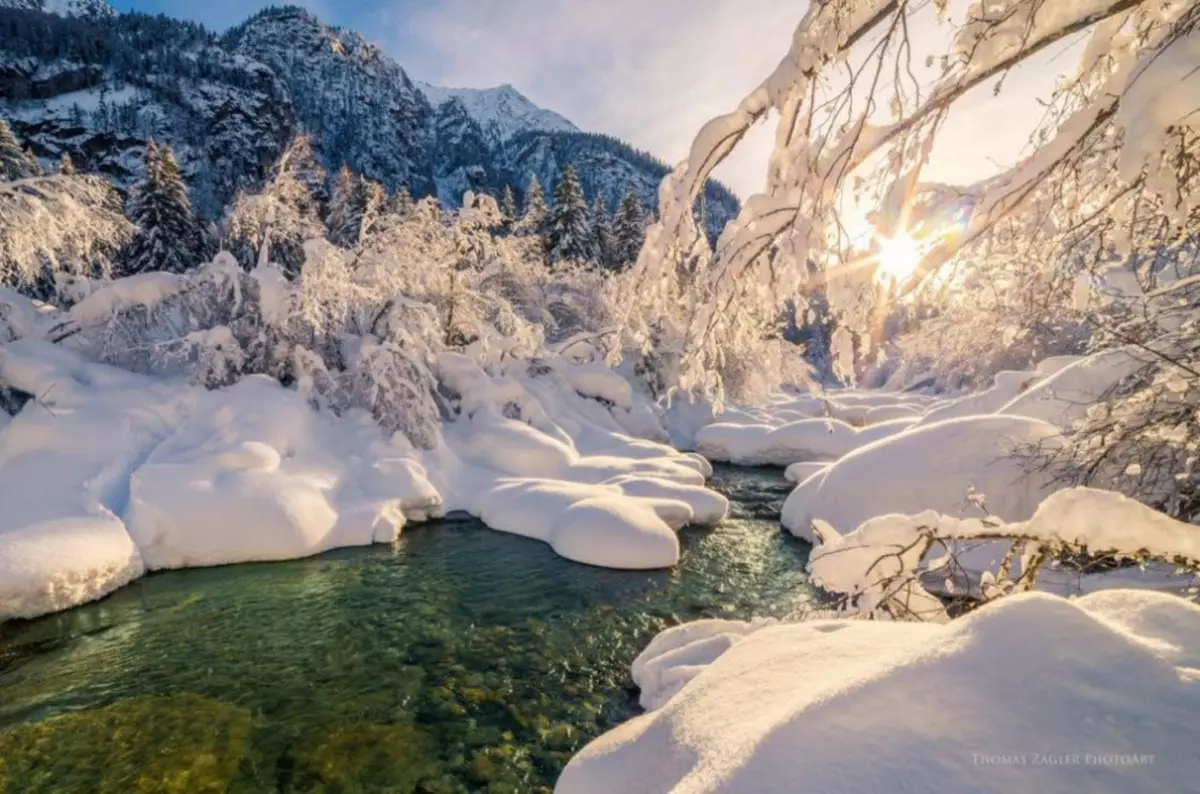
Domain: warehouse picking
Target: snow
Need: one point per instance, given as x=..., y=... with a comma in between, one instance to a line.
x=930, y=468
x=804, y=440
x=108, y=474
x=1064, y=397
x=502, y=110
x=1031, y=693
x=799, y=472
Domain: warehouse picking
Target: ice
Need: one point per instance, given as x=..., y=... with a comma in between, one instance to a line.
x=1031, y=693
x=930, y=468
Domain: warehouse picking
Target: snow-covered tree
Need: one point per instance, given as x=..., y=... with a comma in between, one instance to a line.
x=1109, y=170
x=15, y=162
x=168, y=236
x=66, y=165
x=602, y=234
x=534, y=220
x=58, y=225
x=629, y=231
x=354, y=208
x=568, y=231
x=274, y=224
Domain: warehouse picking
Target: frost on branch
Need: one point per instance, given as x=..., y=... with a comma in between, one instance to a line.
x=58, y=224
x=855, y=129
x=888, y=566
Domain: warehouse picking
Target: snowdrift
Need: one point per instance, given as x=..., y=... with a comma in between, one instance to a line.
x=1031, y=693
x=108, y=475
x=941, y=467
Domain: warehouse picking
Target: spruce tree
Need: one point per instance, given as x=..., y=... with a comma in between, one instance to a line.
x=602, y=234
x=168, y=236
x=508, y=207
x=354, y=208
x=629, y=231
x=569, y=230
x=15, y=163
x=536, y=212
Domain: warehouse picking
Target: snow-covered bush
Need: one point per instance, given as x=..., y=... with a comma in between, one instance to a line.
x=360, y=328
x=891, y=566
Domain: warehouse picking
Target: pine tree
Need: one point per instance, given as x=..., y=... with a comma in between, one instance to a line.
x=569, y=231
x=168, y=236
x=629, y=231
x=67, y=166
x=536, y=212
x=15, y=163
x=602, y=234
x=508, y=207
x=354, y=208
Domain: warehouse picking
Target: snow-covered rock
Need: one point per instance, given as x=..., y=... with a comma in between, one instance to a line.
x=1064, y=397
x=1031, y=693
x=806, y=440
x=937, y=467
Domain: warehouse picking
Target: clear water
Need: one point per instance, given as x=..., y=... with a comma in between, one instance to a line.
x=460, y=659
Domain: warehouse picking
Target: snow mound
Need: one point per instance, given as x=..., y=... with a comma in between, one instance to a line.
x=799, y=472
x=929, y=468
x=613, y=532
x=1031, y=693
x=1064, y=398
x=806, y=440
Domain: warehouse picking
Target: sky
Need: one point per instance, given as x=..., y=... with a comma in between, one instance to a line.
x=650, y=72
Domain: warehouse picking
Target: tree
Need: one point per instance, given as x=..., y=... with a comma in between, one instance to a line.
x=628, y=231
x=602, y=234
x=1114, y=164
x=568, y=231
x=354, y=208
x=15, y=163
x=508, y=207
x=536, y=212
x=66, y=165
x=168, y=236
x=274, y=225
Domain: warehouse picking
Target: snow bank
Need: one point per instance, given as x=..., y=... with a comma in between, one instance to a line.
x=799, y=472
x=1031, y=693
x=807, y=440
x=1064, y=398
x=110, y=474
x=929, y=468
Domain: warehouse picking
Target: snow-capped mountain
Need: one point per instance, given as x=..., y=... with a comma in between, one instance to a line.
x=99, y=85
x=502, y=111
x=91, y=9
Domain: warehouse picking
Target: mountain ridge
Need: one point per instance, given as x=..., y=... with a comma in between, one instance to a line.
x=99, y=85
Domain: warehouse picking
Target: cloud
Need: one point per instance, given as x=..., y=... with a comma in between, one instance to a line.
x=648, y=71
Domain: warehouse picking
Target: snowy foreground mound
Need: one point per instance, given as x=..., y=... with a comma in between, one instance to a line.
x=1031, y=693
x=108, y=475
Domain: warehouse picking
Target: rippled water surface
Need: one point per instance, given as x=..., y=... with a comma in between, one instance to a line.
x=460, y=659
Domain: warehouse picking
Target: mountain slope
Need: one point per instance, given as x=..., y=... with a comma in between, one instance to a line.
x=99, y=86
x=501, y=112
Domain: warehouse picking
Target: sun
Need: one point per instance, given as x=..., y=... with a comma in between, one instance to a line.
x=898, y=257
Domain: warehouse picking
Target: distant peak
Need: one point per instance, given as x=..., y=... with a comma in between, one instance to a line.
x=87, y=9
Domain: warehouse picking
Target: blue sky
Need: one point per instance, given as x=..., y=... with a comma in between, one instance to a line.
x=648, y=71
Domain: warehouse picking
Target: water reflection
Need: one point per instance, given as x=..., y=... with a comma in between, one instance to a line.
x=460, y=659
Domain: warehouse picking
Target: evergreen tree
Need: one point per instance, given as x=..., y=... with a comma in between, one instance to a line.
x=536, y=212
x=67, y=166
x=569, y=231
x=602, y=234
x=508, y=207
x=168, y=236
x=399, y=203
x=35, y=168
x=15, y=163
x=354, y=208
x=629, y=231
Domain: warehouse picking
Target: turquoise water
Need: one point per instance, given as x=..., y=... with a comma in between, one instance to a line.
x=460, y=659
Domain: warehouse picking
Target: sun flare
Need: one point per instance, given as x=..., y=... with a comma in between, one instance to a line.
x=898, y=257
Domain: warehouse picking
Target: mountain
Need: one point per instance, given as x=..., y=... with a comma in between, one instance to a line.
x=501, y=112
x=89, y=9
x=100, y=85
